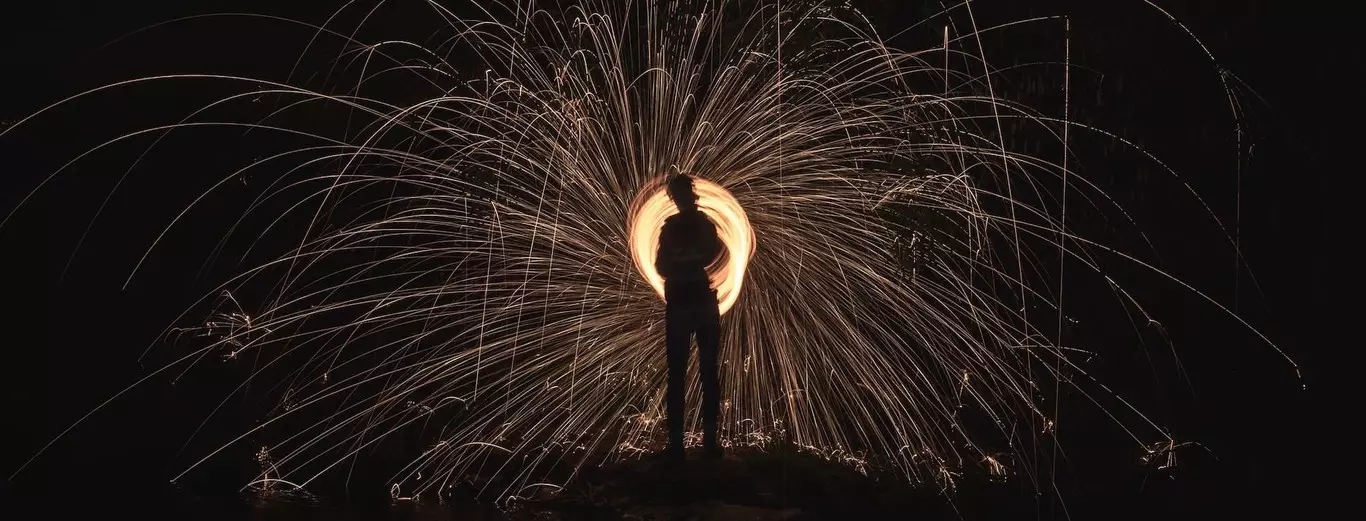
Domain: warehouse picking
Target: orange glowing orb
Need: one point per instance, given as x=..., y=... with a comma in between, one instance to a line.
x=646, y=221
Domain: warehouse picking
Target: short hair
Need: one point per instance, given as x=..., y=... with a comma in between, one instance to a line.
x=681, y=184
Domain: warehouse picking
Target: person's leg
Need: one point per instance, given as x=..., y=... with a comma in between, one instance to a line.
x=708, y=348
x=678, y=339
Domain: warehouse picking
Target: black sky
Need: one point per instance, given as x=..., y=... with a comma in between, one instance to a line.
x=70, y=342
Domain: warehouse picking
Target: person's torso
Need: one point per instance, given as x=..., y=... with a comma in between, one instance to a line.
x=688, y=243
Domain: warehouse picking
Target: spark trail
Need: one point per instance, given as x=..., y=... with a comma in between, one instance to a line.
x=479, y=256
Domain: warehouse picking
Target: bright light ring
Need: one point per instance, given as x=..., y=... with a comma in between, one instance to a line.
x=646, y=221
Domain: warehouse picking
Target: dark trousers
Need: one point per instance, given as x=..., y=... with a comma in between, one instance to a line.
x=688, y=315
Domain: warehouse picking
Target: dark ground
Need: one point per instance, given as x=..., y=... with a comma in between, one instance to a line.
x=777, y=484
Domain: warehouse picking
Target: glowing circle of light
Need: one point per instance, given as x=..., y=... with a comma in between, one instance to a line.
x=646, y=221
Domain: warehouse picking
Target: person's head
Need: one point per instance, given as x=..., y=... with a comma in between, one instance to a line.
x=681, y=191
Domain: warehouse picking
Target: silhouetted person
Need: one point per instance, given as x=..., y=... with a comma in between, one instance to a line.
x=687, y=244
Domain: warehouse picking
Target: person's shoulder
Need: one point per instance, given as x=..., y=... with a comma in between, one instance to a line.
x=684, y=219
x=687, y=220
x=673, y=223
x=701, y=219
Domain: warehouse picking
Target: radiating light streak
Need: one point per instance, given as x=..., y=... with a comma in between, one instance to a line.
x=647, y=217
x=481, y=256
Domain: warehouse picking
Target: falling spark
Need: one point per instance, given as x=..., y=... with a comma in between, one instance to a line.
x=482, y=258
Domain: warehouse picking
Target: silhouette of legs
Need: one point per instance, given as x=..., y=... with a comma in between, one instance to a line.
x=688, y=315
x=678, y=331
x=708, y=345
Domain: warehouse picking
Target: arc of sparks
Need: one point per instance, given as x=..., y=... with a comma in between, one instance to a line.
x=727, y=272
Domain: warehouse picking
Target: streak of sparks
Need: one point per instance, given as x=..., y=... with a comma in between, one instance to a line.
x=647, y=220
x=481, y=257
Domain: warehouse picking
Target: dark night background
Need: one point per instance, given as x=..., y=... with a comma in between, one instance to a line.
x=70, y=344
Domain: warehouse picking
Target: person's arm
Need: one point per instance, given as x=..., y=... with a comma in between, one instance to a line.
x=714, y=245
x=663, y=264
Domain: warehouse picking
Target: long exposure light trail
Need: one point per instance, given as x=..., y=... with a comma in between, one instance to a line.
x=647, y=219
x=470, y=256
